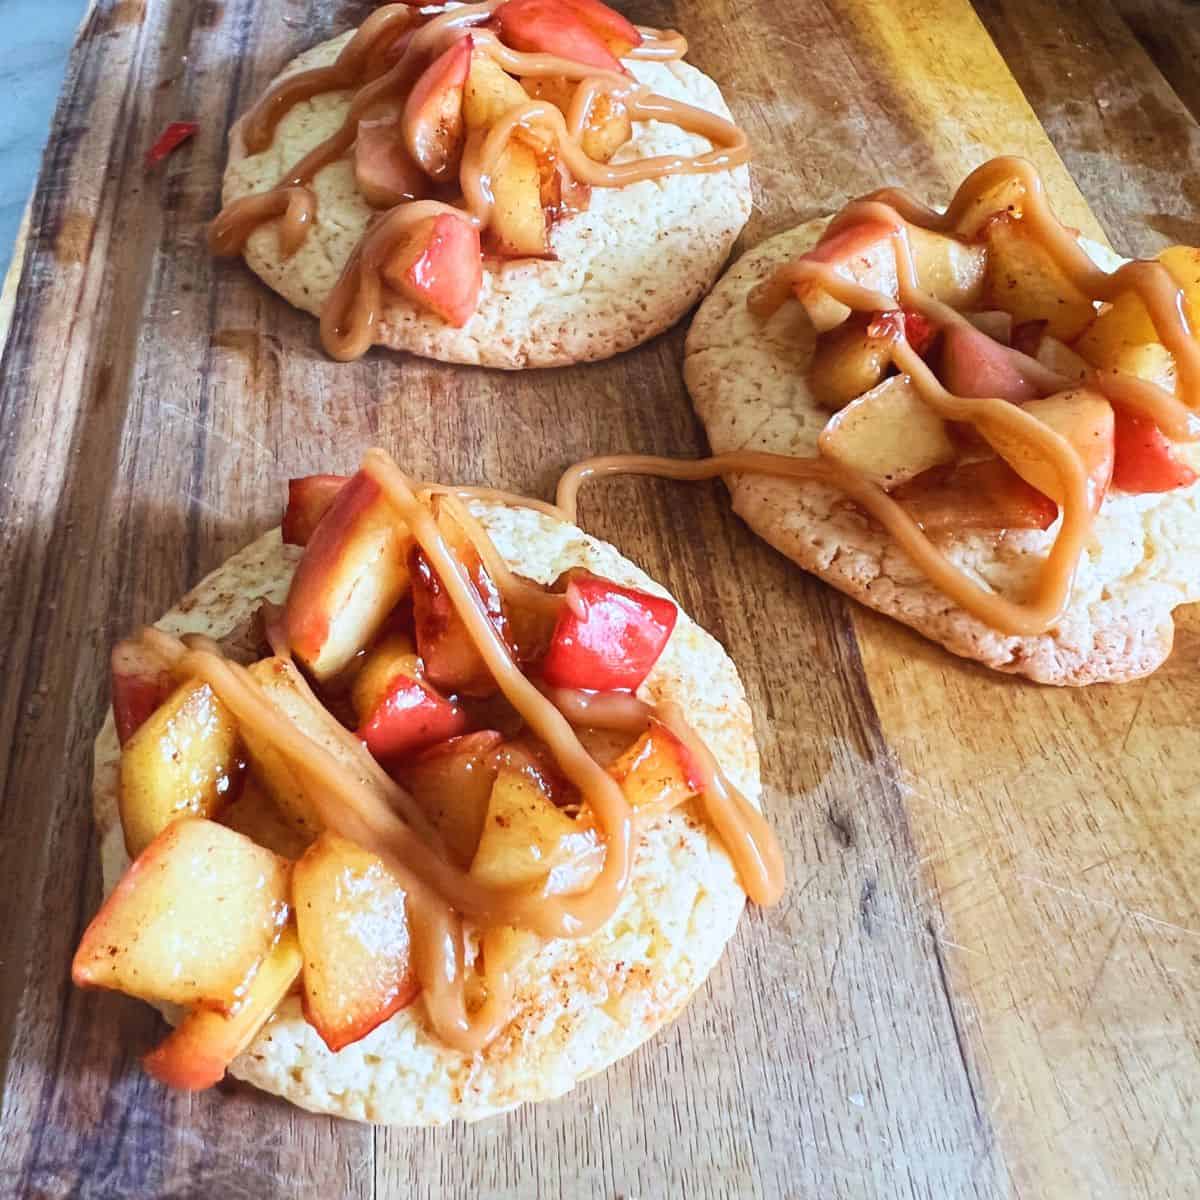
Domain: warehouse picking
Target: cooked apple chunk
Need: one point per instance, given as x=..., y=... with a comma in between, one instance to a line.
x=889, y=434
x=182, y=761
x=452, y=783
x=191, y=920
x=255, y=814
x=1085, y=420
x=351, y=576
x=526, y=839
x=656, y=773
x=196, y=1053
x=1023, y=279
x=353, y=925
x=491, y=92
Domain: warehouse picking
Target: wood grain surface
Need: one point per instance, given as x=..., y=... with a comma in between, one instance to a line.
x=982, y=980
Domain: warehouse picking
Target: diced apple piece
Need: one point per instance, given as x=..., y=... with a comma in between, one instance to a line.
x=976, y=495
x=1085, y=419
x=141, y=682
x=183, y=761
x=284, y=686
x=196, y=1053
x=1023, y=279
x=607, y=637
x=606, y=129
x=1145, y=460
x=1118, y=336
x=657, y=773
x=353, y=925
x=1060, y=358
x=491, y=92
x=518, y=224
x=975, y=366
x=351, y=576
x=256, y=815
x=889, y=434
x=994, y=323
x=526, y=839
x=452, y=784
x=1184, y=264
x=452, y=663
x=605, y=746
x=383, y=167
x=398, y=712
x=433, y=114
x=191, y=920
x=947, y=269
x=440, y=267
x=848, y=361
x=863, y=253
x=309, y=499
x=1123, y=339
x=552, y=27
x=618, y=33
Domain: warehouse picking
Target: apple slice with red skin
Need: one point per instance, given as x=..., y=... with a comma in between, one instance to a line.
x=434, y=129
x=948, y=269
x=309, y=499
x=973, y=365
x=452, y=663
x=352, y=920
x=398, y=712
x=553, y=27
x=141, y=682
x=607, y=637
x=1144, y=460
x=987, y=494
x=384, y=169
x=351, y=577
x=618, y=33
x=196, y=1053
x=439, y=267
x=452, y=783
x=191, y=920
x=657, y=772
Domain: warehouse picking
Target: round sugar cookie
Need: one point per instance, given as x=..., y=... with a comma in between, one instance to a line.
x=748, y=379
x=626, y=269
x=580, y=1004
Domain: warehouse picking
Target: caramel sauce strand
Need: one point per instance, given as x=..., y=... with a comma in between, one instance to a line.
x=515, y=589
x=741, y=827
x=581, y=913
x=659, y=45
x=1008, y=617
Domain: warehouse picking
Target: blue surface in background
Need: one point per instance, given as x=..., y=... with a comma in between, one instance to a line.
x=37, y=37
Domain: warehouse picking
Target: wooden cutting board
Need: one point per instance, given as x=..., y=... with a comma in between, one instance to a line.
x=982, y=980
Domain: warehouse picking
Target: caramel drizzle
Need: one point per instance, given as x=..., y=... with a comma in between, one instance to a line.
x=351, y=312
x=365, y=806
